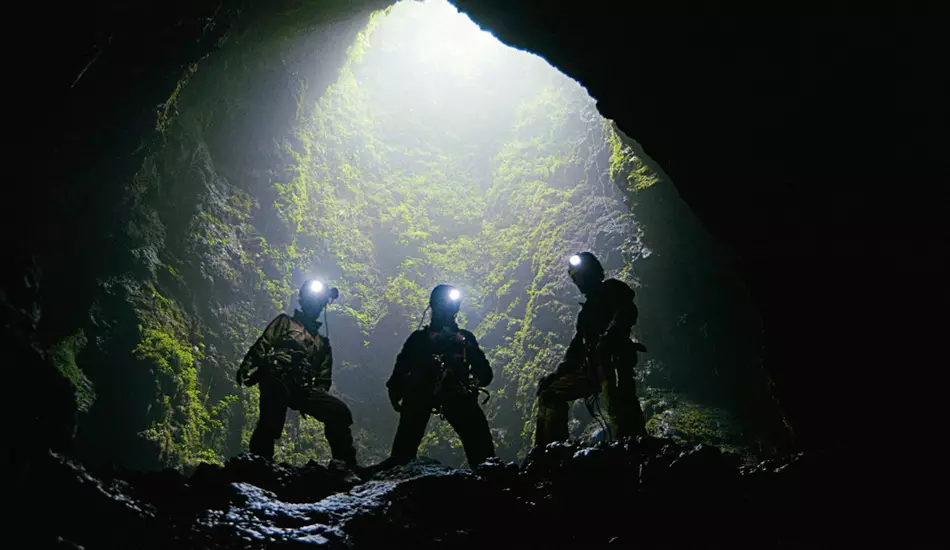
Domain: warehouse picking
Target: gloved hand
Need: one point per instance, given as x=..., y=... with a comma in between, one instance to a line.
x=395, y=400
x=286, y=357
x=243, y=373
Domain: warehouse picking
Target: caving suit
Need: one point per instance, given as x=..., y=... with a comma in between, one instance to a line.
x=600, y=358
x=440, y=370
x=295, y=366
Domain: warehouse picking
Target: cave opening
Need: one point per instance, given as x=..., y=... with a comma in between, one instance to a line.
x=181, y=159
x=386, y=157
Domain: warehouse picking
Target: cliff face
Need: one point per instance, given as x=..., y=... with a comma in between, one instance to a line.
x=799, y=102
x=86, y=291
x=384, y=154
x=816, y=114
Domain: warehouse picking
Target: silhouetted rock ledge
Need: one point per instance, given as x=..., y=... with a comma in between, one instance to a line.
x=649, y=492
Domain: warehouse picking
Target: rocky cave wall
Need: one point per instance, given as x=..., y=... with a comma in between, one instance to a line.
x=195, y=260
x=763, y=209
x=90, y=242
x=833, y=131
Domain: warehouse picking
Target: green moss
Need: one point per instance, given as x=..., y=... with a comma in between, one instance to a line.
x=190, y=428
x=169, y=110
x=388, y=201
x=626, y=169
x=63, y=355
x=689, y=423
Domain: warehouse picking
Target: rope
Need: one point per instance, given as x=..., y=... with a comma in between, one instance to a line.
x=592, y=402
x=423, y=318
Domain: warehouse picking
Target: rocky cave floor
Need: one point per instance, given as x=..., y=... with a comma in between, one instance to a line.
x=646, y=493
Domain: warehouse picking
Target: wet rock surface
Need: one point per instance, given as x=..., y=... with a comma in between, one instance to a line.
x=645, y=493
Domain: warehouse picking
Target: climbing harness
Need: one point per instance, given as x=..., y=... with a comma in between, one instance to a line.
x=447, y=381
x=447, y=378
x=593, y=401
x=593, y=405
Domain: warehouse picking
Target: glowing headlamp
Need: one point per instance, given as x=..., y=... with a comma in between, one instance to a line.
x=455, y=294
x=316, y=287
x=575, y=260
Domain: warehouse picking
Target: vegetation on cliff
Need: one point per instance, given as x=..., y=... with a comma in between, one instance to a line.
x=433, y=154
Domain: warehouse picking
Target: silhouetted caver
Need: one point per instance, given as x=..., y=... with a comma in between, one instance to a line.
x=600, y=358
x=293, y=364
x=441, y=369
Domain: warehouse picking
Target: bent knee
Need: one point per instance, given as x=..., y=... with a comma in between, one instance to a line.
x=339, y=414
x=550, y=398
